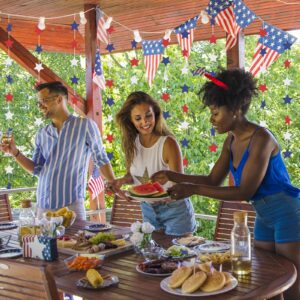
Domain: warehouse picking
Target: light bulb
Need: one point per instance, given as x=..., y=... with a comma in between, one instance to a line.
x=83, y=20
x=41, y=24
x=204, y=17
x=137, y=36
x=108, y=22
x=168, y=34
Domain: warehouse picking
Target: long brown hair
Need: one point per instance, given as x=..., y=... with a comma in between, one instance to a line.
x=128, y=130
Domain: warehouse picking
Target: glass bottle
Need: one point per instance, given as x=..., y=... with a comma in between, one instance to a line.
x=26, y=219
x=240, y=244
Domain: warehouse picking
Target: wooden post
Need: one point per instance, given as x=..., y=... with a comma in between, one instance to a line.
x=93, y=95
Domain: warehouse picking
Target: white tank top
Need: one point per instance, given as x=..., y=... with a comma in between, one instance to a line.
x=147, y=161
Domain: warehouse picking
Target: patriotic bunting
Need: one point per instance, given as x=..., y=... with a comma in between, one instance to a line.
x=98, y=77
x=101, y=31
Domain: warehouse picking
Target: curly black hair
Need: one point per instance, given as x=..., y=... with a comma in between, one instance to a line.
x=238, y=96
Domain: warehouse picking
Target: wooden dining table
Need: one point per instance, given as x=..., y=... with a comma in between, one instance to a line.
x=271, y=275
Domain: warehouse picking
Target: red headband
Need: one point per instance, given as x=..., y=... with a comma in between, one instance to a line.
x=201, y=71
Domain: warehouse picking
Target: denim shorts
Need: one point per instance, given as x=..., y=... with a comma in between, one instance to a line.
x=277, y=218
x=174, y=218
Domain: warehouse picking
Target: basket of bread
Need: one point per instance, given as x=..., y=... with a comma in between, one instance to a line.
x=68, y=216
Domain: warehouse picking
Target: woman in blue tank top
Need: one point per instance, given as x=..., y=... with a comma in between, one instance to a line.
x=252, y=154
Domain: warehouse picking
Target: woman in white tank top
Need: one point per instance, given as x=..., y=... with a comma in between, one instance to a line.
x=149, y=146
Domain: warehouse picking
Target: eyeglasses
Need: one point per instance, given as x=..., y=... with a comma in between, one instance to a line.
x=45, y=100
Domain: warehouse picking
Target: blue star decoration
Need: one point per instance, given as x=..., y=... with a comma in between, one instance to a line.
x=184, y=88
x=38, y=49
x=263, y=52
x=9, y=186
x=9, y=27
x=287, y=154
x=74, y=26
x=287, y=99
x=74, y=79
x=165, y=60
x=185, y=34
x=133, y=44
x=212, y=132
x=110, y=47
x=185, y=143
x=110, y=155
x=212, y=22
x=110, y=101
x=287, y=46
x=9, y=79
x=166, y=115
x=263, y=104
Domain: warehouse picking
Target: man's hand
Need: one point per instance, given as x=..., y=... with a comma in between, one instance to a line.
x=181, y=191
x=114, y=186
x=9, y=147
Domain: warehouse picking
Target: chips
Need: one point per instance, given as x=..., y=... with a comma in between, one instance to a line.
x=216, y=258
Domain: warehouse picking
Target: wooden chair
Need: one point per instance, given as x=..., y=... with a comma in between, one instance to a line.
x=5, y=211
x=225, y=218
x=23, y=281
x=124, y=213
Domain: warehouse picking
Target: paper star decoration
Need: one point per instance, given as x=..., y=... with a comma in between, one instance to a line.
x=38, y=49
x=263, y=88
x=212, y=132
x=110, y=118
x=110, y=47
x=134, y=62
x=287, y=154
x=166, y=115
x=9, y=27
x=287, y=136
x=133, y=44
x=110, y=138
x=9, y=43
x=38, y=121
x=165, y=97
x=74, y=79
x=287, y=120
x=166, y=42
x=184, y=88
x=185, y=143
x=74, y=44
x=287, y=46
x=166, y=78
x=110, y=30
x=263, y=69
x=145, y=178
x=9, y=79
x=110, y=155
x=74, y=62
x=185, y=108
x=184, y=70
x=287, y=81
x=263, y=52
x=212, y=57
x=110, y=101
x=287, y=99
x=8, y=62
x=213, y=39
x=185, y=53
x=165, y=60
x=185, y=162
x=9, y=169
x=109, y=83
x=9, y=97
x=213, y=147
x=263, y=104
x=74, y=100
x=263, y=32
x=9, y=115
x=287, y=63
x=39, y=67
x=133, y=80
x=184, y=125
x=74, y=26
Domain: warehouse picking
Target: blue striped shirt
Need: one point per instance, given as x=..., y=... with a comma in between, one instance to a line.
x=61, y=161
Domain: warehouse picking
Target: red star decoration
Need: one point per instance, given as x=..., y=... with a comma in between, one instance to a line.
x=9, y=97
x=287, y=63
x=213, y=39
x=185, y=108
x=74, y=44
x=263, y=32
x=134, y=62
x=9, y=43
x=110, y=30
x=185, y=162
x=287, y=120
x=109, y=83
x=110, y=138
x=165, y=97
x=74, y=100
x=166, y=43
x=213, y=147
x=185, y=53
x=38, y=31
x=263, y=88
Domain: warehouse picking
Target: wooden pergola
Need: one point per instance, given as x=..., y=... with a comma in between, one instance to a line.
x=144, y=15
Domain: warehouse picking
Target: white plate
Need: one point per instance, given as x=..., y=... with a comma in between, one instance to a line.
x=230, y=286
x=150, y=200
x=7, y=225
x=97, y=227
x=213, y=246
x=10, y=252
x=151, y=274
x=175, y=242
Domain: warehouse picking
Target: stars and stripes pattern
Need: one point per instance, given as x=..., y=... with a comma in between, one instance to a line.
x=185, y=35
x=96, y=183
x=222, y=12
x=269, y=47
x=153, y=51
x=102, y=34
x=27, y=240
x=98, y=77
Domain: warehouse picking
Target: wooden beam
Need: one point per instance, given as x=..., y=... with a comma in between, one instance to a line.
x=93, y=95
x=24, y=58
x=236, y=55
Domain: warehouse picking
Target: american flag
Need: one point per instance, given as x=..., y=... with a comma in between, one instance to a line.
x=222, y=12
x=269, y=47
x=101, y=31
x=185, y=35
x=153, y=51
x=96, y=183
x=243, y=18
x=98, y=77
x=27, y=240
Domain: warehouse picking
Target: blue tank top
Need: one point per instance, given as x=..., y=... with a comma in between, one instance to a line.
x=276, y=179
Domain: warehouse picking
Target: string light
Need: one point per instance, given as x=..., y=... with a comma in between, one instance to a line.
x=41, y=24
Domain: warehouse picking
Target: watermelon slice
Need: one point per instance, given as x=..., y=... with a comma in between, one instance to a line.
x=148, y=190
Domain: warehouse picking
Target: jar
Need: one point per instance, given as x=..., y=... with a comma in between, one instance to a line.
x=240, y=244
x=26, y=219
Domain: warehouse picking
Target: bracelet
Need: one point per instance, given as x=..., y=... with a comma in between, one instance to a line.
x=17, y=154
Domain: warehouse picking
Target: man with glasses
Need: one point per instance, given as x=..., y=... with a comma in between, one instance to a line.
x=62, y=153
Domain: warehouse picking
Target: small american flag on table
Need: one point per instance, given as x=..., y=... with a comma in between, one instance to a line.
x=96, y=183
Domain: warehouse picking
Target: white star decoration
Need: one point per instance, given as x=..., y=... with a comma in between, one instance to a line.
x=184, y=70
x=123, y=64
x=263, y=123
x=263, y=69
x=74, y=62
x=9, y=115
x=287, y=136
x=38, y=121
x=110, y=118
x=109, y=63
x=8, y=62
x=166, y=78
x=184, y=125
x=39, y=67
x=212, y=57
x=9, y=169
x=133, y=80
x=287, y=81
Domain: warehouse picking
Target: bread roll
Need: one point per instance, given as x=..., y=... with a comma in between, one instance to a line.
x=214, y=282
x=194, y=282
x=179, y=276
x=228, y=277
x=206, y=267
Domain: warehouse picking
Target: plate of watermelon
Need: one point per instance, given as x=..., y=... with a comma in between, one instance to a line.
x=148, y=192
